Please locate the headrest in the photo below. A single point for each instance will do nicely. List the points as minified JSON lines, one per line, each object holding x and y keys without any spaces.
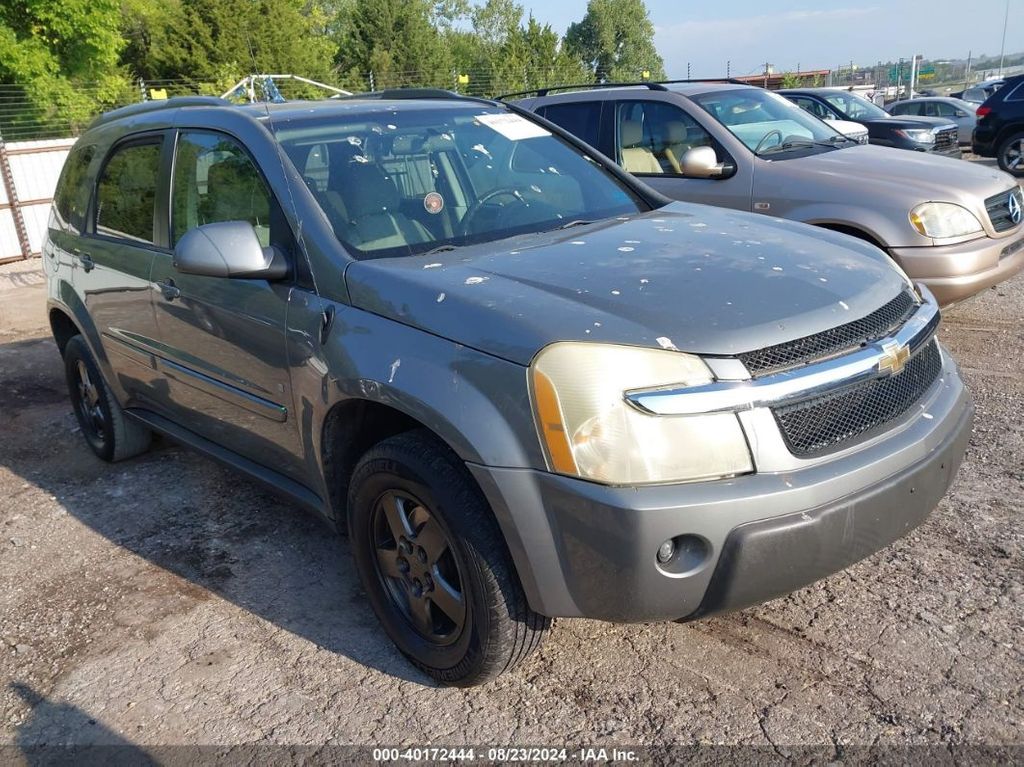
{"x":676,"y":132}
{"x":366,"y":190}
{"x":631,"y":132}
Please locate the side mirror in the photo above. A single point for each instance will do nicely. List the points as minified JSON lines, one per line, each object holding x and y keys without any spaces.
{"x":701,"y":162}
{"x":228,"y":249}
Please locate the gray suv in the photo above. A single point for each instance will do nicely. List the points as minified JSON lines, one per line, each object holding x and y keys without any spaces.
{"x":525,"y":384}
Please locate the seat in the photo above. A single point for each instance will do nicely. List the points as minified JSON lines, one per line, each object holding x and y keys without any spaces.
{"x":636,"y":158}
{"x":375,"y":221}
{"x":677,"y":143}
{"x":235,"y":192}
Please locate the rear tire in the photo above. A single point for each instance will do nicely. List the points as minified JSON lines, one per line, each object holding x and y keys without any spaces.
{"x":108,"y":431}
{"x":1011,"y":155}
{"x":434,"y":563}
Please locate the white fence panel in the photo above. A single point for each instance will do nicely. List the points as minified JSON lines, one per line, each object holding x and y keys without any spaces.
{"x":35,"y":168}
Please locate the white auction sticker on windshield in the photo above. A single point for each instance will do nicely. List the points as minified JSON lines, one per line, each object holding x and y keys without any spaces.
{"x":513,"y":127}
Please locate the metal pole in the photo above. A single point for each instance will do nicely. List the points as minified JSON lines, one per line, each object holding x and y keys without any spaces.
{"x":967,"y":74}
{"x":12,"y":201}
{"x":1002,"y":47}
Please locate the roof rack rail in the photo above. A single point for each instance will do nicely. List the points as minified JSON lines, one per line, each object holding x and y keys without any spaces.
{"x":654,"y":85}
{"x":399,"y":94}
{"x":156,"y":105}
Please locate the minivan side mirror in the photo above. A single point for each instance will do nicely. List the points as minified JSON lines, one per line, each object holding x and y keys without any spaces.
{"x":228,"y":249}
{"x":701,"y":162}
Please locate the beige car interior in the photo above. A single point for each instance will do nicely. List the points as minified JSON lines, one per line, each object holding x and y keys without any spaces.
{"x":636,"y":158}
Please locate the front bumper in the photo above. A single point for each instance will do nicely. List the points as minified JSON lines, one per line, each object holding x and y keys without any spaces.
{"x":957,"y":272}
{"x":589,"y":550}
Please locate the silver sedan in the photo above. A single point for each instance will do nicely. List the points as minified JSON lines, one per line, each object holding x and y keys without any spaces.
{"x":960,"y":112}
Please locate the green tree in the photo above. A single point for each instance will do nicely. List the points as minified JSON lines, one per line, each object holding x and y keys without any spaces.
{"x":64,"y":56}
{"x":615,"y":40}
{"x":397,"y":41}
{"x":216,"y":42}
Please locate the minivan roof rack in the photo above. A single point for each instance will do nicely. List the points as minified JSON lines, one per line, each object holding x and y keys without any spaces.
{"x":654,"y":85}
{"x":156,"y":105}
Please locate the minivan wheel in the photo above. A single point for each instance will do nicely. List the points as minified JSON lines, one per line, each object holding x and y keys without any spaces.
{"x":434,"y":564}
{"x":109,"y":432}
{"x":1011,"y":155}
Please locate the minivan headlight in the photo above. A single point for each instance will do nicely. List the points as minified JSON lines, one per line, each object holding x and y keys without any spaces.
{"x":944,"y":219}
{"x":589,"y":430}
{"x":918,"y":135}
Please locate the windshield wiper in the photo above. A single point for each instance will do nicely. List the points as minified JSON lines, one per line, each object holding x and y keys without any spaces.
{"x":571,"y":224}
{"x":787,"y":145}
{"x":439,"y":249}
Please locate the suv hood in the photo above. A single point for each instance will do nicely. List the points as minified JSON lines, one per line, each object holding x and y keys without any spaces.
{"x":915,"y":176}
{"x":700,"y":279}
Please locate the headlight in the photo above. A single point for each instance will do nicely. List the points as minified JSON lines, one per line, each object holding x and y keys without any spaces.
{"x":589,"y":430}
{"x":944,"y":219}
{"x":918,"y":135}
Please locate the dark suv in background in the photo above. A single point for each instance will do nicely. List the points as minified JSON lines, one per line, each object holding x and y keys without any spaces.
{"x":935,"y":135}
{"x":1000,"y":129}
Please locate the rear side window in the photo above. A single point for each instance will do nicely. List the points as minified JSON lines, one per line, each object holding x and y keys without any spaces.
{"x":1017,"y":94}
{"x":126,"y":192}
{"x":581,"y":119}
{"x":71,"y":200}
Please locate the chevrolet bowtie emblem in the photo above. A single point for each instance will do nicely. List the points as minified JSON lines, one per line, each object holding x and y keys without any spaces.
{"x":894,"y":358}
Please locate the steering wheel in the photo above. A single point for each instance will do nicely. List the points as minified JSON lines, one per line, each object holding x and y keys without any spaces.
{"x":479,"y":204}
{"x":768,"y":135}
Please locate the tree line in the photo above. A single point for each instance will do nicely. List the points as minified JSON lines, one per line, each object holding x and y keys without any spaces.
{"x":69,"y":59}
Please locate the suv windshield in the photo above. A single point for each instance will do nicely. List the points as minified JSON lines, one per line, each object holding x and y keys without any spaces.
{"x":855,"y":107}
{"x":399,"y":182}
{"x":766,"y":122}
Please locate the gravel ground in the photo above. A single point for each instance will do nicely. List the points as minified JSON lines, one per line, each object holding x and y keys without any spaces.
{"x":166,"y":600}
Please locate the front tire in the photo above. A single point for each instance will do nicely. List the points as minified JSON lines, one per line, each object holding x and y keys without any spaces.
{"x":434,"y":563}
{"x":1011,"y":155}
{"x":108,"y":431}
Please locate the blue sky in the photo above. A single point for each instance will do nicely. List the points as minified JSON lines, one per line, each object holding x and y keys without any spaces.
{"x":815,"y":35}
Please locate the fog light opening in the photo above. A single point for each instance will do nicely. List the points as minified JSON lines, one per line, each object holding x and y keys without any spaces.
{"x":683,"y":555}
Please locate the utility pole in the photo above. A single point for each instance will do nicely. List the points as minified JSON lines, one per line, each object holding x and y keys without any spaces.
{"x":687,"y":70}
{"x":767,"y":73}
{"x":967,"y":74}
{"x":1002,"y":47}
{"x":913,"y":75}
{"x":728,"y":69}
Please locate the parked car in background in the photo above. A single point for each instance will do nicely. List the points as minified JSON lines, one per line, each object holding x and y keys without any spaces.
{"x":977,"y":94}
{"x":743,"y":147}
{"x":921,"y":134}
{"x":851,"y":130}
{"x":1000,"y":129}
{"x":955,"y":110}
{"x":526,"y":384}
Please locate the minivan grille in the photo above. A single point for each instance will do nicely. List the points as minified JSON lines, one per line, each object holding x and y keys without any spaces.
{"x":833,"y":420}
{"x":946,"y":139}
{"x":879,"y":324}
{"x":998,"y":207}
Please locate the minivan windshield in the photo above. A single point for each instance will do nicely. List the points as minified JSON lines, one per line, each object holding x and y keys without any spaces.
{"x":399,"y":181}
{"x":767,"y":123}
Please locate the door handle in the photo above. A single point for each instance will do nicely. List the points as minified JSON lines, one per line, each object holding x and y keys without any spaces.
{"x":169,"y":290}
{"x":86,"y":261}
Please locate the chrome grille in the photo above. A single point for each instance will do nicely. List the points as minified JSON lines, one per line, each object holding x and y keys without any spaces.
{"x":830,"y":422}
{"x":998,"y":207}
{"x":785,"y":356}
{"x":946,"y":138}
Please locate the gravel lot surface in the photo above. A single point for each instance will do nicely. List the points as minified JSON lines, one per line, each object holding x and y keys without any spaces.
{"x":166,"y":600}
